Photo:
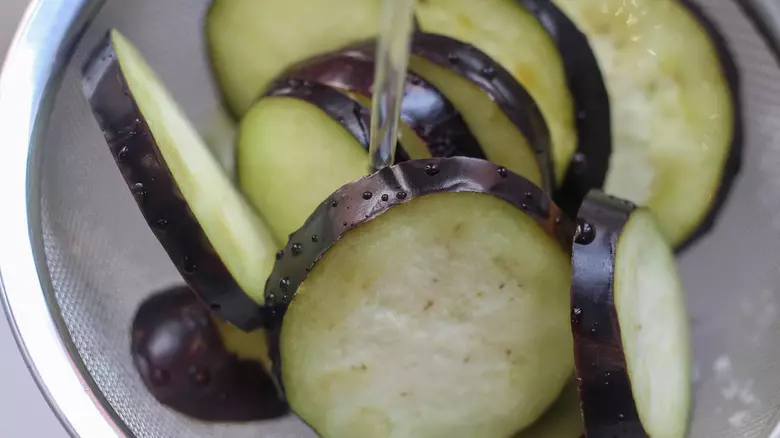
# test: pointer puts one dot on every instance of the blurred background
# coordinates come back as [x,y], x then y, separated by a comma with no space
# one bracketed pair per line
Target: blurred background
[23,410]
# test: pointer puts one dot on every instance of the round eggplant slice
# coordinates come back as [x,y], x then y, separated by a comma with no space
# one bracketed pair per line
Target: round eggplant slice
[295,147]
[630,326]
[513,38]
[252,42]
[675,120]
[589,165]
[499,111]
[423,108]
[220,246]
[183,362]
[438,305]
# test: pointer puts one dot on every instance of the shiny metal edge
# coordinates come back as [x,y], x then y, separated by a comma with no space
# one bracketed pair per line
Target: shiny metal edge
[30,78]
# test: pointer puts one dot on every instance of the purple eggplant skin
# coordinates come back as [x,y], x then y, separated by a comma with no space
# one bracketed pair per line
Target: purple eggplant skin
[499,84]
[143,168]
[589,166]
[426,110]
[351,114]
[733,164]
[365,199]
[178,352]
[606,398]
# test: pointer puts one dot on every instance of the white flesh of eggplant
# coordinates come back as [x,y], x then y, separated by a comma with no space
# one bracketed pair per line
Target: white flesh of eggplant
[447,316]
[650,305]
[237,234]
[251,41]
[672,116]
[291,156]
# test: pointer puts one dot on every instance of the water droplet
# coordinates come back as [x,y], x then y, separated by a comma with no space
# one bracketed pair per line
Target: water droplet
[161,223]
[122,154]
[271,297]
[139,190]
[453,57]
[199,375]
[284,283]
[432,169]
[385,197]
[315,238]
[342,120]
[285,298]
[524,206]
[577,311]
[334,204]
[367,195]
[160,377]
[488,72]
[297,249]
[401,195]
[608,374]
[593,330]
[279,255]
[606,383]
[621,416]
[189,265]
[503,172]
[529,195]
[580,163]
[294,82]
[558,220]
[585,233]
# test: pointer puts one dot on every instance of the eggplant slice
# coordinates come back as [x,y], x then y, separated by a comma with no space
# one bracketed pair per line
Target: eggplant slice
[422,313]
[673,95]
[630,324]
[295,147]
[252,42]
[218,244]
[504,118]
[187,366]
[589,165]
[423,108]
[513,38]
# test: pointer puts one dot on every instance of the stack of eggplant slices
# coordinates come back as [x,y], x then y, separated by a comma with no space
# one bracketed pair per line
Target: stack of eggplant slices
[513,274]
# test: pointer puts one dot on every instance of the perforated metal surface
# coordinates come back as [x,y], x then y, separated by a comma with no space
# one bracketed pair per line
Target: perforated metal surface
[104,260]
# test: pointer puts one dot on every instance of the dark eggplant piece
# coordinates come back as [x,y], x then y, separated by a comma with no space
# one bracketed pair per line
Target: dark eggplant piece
[178,352]
[423,108]
[430,297]
[216,241]
[590,163]
[250,42]
[514,39]
[296,146]
[499,111]
[630,324]
[674,104]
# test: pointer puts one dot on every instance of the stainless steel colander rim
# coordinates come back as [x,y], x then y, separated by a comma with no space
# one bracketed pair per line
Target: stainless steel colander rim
[28,84]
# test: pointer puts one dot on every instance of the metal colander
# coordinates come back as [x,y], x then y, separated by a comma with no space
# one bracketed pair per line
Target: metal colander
[77,257]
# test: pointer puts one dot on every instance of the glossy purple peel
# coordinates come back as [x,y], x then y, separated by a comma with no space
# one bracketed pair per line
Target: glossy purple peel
[589,165]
